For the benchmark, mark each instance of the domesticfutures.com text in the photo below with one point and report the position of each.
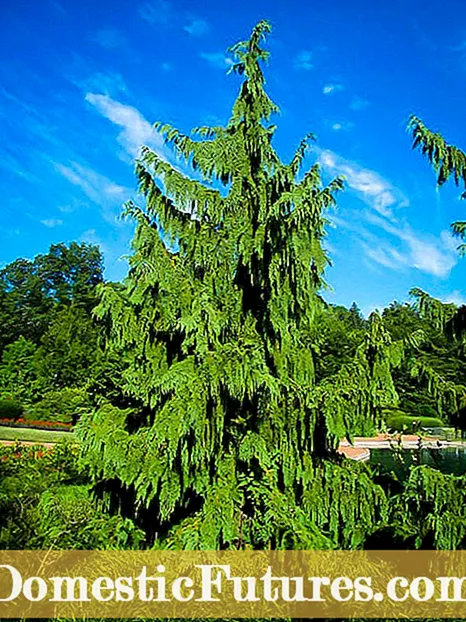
(215, 581)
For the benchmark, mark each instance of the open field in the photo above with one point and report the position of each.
(34, 436)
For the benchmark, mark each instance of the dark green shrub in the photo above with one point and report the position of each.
(419, 409)
(10, 409)
(64, 406)
(425, 410)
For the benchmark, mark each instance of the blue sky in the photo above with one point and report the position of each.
(82, 82)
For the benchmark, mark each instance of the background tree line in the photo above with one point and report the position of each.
(52, 354)
(50, 350)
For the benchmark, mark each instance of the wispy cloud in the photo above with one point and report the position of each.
(109, 38)
(217, 59)
(329, 89)
(16, 166)
(456, 297)
(197, 27)
(111, 84)
(428, 253)
(410, 249)
(52, 222)
(342, 126)
(399, 247)
(371, 187)
(135, 130)
(67, 209)
(385, 255)
(385, 238)
(359, 103)
(101, 190)
(156, 12)
(303, 61)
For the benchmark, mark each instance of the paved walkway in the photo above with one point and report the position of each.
(359, 454)
(359, 450)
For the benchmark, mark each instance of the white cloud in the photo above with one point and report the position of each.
(111, 84)
(371, 187)
(303, 60)
(109, 38)
(406, 248)
(399, 247)
(96, 187)
(385, 255)
(66, 209)
(428, 253)
(52, 222)
(342, 126)
(456, 297)
(197, 28)
(217, 59)
(328, 89)
(156, 12)
(359, 103)
(135, 129)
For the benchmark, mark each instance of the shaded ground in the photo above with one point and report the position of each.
(359, 450)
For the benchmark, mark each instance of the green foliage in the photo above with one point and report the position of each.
(431, 510)
(336, 335)
(69, 353)
(436, 313)
(432, 377)
(64, 405)
(226, 382)
(71, 273)
(447, 160)
(66, 512)
(405, 423)
(344, 502)
(17, 369)
(31, 292)
(45, 503)
(10, 409)
(50, 352)
(221, 426)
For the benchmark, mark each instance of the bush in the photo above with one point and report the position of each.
(10, 409)
(405, 423)
(420, 409)
(63, 406)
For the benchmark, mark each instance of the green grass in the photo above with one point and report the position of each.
(38, 436)
(406, 423)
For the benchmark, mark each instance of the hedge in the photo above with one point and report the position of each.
(405, 423)
(10, 409)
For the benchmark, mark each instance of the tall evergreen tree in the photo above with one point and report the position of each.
(221, 437)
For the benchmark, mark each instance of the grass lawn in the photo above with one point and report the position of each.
(39, 436)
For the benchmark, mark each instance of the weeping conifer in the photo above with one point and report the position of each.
(221, 438)
(447, 160)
